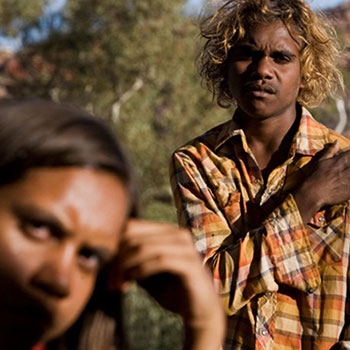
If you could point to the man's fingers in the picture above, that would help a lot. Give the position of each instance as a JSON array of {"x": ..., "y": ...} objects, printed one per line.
[{"x": 329, "y": 150}]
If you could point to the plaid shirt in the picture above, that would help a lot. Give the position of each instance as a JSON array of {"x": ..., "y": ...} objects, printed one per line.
[{"x": 284, "y": 285}]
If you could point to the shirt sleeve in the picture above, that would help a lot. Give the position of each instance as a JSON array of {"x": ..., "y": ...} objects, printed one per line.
[
  {"x": 276, "y": 253},
  {"x": 344, "y": 342}
]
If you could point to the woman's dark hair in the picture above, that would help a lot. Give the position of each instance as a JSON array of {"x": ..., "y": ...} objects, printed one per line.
[{"x": 37, "y": 133}]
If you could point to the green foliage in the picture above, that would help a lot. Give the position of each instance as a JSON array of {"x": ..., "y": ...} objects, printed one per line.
[
  {"x": 16, "y": 15},
  {"x": 150, "y": 327},
  {"x": 133, "y": 63},
  {"x": 346, "y": 74}
]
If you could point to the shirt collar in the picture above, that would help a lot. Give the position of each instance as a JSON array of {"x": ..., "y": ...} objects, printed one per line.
[
  {"x": 308, "y": 140},
  {"x": 311, "y": 135}
]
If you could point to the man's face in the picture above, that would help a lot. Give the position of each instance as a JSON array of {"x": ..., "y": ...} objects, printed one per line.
[
  {"x": 58, "y": 227},
  {"x": 264, "y": 72}
]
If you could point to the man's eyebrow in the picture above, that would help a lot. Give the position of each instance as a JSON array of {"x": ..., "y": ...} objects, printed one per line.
[
  {"x": 245, "y": 46},
  {"x": 34, "y": 213},
  {"x": 285, "y": 52}
]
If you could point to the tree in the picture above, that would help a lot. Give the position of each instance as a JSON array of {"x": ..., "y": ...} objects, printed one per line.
[{"x": 132, "y": 62}]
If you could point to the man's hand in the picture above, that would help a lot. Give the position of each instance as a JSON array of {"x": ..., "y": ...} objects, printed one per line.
[
  {"x": 324, "y": 181},
  {"x": 162, "y": 258}
]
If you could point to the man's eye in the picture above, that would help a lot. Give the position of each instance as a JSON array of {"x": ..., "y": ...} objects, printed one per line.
[
  {"x": 36, "y": 230},
  {"x": 90, "y": 260},
  {"x": 244, "y": 55},
  {"x": 281, "y": 58}
]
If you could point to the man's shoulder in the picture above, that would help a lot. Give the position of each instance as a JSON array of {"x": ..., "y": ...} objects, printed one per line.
[
  {"x": 319, "y": 134},
  {"x": 331, "y": 136},
  {"x": 344, "y": 142},
  {"x": 208, "y": 140}
]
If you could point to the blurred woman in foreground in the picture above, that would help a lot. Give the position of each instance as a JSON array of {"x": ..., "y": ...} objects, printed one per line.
[{"x": 68, "y": 246}]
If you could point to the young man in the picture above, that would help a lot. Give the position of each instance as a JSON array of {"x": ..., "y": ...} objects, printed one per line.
[{"x": 265, "y": 194}]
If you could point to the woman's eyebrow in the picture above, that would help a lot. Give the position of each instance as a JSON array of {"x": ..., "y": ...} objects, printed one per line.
[{"x": 35, "y": 213}]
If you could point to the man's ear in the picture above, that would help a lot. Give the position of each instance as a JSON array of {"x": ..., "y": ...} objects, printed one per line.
[{"x": 302, "y": 82}]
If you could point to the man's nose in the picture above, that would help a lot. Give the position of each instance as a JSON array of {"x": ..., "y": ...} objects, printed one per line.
[
  {"x": 54, "y": 276},
  {"x": 263, "y": 67}
]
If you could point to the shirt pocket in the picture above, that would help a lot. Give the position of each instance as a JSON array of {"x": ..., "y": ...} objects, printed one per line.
[{"x": 327, "y": 234}]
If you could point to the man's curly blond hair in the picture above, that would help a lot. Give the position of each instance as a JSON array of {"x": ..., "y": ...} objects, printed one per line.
[{"x": 319, "y": 49}]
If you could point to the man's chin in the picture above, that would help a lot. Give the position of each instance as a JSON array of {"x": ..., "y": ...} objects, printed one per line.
[
  {"x": 258, "y": 113},
  {"x": 261, "y": 111}
]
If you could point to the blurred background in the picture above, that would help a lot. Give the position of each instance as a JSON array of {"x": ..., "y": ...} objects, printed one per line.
[{"x": 132, "y": 62}]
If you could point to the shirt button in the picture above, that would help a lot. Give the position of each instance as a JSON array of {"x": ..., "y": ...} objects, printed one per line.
[
  {"x": 268, "y": 294},
  {"x": 264, "y": 332}
]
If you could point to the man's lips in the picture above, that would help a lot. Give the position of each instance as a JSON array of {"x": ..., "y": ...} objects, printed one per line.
[{"x": 259, "y": 90}]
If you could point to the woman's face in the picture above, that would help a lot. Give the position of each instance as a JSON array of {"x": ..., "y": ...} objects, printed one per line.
[{"x": 58, "y": 227}]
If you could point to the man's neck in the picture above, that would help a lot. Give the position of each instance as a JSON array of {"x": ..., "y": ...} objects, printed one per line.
[{"x": 270, "y": 138}]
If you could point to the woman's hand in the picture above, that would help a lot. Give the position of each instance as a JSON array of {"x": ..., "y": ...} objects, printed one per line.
[{"x": 162, "y": 258}]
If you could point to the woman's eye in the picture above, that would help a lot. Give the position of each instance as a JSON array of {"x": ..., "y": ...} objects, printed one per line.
[
  {"x": 36, "y": 230},
  {"x": 90, "y": 260}
]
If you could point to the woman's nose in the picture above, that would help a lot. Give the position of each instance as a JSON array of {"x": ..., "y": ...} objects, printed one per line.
[{"x": 54, "y": 276}]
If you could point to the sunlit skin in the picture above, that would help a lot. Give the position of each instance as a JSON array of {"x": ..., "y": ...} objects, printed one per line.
[{"x": 58, "y": 227}]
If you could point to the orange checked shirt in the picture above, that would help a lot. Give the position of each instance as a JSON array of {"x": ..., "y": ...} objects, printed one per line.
[{"x": 285, "y": 286}]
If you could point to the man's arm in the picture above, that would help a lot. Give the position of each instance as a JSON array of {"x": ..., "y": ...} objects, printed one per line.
[
  {"x": 344, "y": 342},
  {"x": 277, "y": 252},
  {"x": 324, "y": 182}
]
